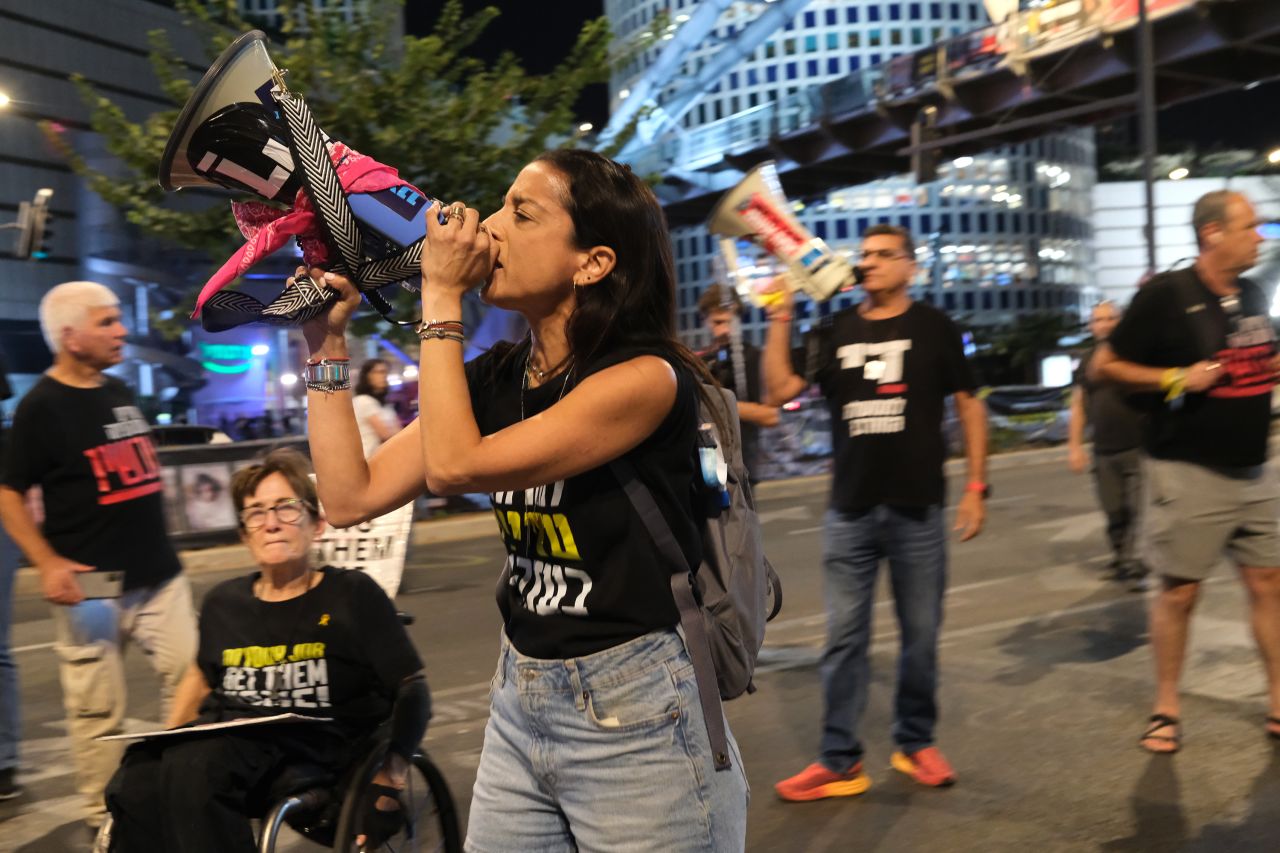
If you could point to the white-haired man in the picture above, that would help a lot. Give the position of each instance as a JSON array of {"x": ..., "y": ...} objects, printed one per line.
[{"x": 79, "y": 436}]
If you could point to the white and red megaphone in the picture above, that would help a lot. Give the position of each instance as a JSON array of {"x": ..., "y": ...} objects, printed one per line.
[{"x": 758, "y": 210}]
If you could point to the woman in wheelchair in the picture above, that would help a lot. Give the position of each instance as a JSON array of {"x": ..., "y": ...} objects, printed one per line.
[
  {"x": 321, "y": 643},
  {"x": 596, "y": 739}
]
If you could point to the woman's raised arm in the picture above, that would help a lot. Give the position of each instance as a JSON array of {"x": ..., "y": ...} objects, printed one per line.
[{"x": 351, "y": 489}]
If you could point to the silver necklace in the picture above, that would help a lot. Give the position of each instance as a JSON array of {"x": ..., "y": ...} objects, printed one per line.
[{"x": 524, "y": 379}]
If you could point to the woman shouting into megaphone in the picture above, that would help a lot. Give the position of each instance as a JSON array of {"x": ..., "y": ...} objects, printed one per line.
[{"x": 594, "y": 686}]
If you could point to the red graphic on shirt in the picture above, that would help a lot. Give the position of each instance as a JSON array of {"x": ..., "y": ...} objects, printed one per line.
[
  {"x": 1246, "y": 371},
  {"x": 125, "y": 470}
]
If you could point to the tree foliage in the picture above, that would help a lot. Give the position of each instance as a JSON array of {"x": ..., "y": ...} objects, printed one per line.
[
  {"x": 455, "y": 126},
  {"x": 1031, "y": 337}
]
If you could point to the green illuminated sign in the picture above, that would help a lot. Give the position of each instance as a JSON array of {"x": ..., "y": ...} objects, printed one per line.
[{"x": 238, "y": 355}]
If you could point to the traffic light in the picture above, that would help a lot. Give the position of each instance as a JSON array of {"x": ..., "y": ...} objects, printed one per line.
[{"x": 33, "y": 226}]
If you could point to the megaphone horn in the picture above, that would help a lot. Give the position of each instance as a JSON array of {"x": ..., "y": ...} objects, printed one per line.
[
  {"x": 758, "y": 209},
  {"x": 242, "y": 129},
  {"x": 230, "y": 133}
]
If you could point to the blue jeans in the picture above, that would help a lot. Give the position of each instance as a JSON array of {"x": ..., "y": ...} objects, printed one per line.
[
  {"x": 606, "y": 752},
  {"x": 10, "y": 711},
  {"x": 915, "y": 544}
]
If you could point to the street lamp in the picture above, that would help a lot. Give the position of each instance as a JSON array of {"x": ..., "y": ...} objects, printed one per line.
[
  {"x": 585, "y": 127},
  {"x": 5, "y": 100},
  {"x": 1274, "y": 157},
  {"x": 1179, "y": 173}
]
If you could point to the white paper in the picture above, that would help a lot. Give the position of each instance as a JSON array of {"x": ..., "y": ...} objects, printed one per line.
[
  {"x": 213, "y": 727},
  {"x": 377, "y": 547}
]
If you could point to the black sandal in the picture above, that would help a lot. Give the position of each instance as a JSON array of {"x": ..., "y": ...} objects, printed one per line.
[
  {"x": 1158, "y": 722},
  {"x": 1274, "y": 734}
]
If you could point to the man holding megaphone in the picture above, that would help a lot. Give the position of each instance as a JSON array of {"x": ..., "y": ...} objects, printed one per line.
[{"x": 885, "y": 367}]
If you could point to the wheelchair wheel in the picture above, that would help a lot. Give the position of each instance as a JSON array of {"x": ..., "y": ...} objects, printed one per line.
[{"x": 431, "y": 822}]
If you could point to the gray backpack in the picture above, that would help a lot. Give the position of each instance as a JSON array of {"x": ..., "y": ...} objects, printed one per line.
[{"x": 725, "y": 602}]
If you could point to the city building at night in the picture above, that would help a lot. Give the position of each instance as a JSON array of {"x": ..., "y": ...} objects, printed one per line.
[{"x": 999, "y": 234}]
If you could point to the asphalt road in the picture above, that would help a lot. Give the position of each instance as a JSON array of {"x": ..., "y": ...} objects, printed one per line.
[{"x": 1046, "y": 687}]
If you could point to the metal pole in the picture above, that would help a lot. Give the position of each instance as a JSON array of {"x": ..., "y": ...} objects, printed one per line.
[{"x": 1147, "y": 127}]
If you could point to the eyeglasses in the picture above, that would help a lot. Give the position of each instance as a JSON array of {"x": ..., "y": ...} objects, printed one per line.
[
  {"x": 287, "y": 512},
  {"x": 882, "y": 254}
]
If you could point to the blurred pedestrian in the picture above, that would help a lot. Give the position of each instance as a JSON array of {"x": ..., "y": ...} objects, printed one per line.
[
  {"x": 731, "y": 361},
  {"x": 1117, "y": 452},
  {"x": 105, "y": 562},
  {"x": 376, "y": 417},
  {"x": 885, "y": 367},
  {"x": 1199, "y": 341},
  {"x": 10, "y": 703}
]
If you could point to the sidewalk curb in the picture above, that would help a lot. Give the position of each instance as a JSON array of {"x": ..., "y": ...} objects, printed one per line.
[{"x": 479, "y": 524}]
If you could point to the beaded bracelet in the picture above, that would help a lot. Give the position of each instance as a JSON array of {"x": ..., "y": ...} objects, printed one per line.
[
  {"x": 440, "y": 335},
  {"x": 454, "y": 327}
]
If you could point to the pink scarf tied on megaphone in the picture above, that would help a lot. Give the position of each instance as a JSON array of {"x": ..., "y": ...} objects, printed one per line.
[{"x": 266, "y": 228}]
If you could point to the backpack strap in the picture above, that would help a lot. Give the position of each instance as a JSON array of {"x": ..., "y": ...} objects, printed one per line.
[
  {"x": 1190, "y": 296},
  {"x": 691, "y": 619}
]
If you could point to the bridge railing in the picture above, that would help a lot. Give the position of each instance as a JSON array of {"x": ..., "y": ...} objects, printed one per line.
[{"x": 1022, "y": 35}]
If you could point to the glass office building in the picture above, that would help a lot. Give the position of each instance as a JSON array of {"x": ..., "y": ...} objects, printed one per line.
[{"x": 999, "y": 234}]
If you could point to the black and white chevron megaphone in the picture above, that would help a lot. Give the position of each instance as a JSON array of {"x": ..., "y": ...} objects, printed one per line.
[
  {"x": 242, "y": 129},
  {"x": 757, "y": 209}
]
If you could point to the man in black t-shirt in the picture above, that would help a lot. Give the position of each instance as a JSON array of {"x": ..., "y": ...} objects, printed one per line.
[
  {"x": 1199, "y": 342},
  {"x": 1117, "y": 452},
  {"x": 720, "y": 307},
  {"x": 885, "y": 368},
  {"x": 78, "y": 436}
]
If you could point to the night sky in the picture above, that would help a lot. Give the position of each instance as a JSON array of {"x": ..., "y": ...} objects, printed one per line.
[{"x": 540, "y": 33}]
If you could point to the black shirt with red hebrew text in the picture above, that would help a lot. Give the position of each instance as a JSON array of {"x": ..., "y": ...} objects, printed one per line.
[
  {"x": 90, "y": 451},
  {"x": 1175, "y": 321}
]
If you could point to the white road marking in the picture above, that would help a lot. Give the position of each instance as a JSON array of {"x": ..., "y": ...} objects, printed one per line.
[
  {"x": 821, "y": 618},
  {"x": 1008, "y": 499},
  {"x": 1072, "y": 528}
]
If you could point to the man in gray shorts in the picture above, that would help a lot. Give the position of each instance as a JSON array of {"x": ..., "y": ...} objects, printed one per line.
[{"x": 1199, "y": 340}]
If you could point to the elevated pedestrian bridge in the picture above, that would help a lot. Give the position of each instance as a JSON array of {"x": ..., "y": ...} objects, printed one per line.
[{"x": 1035, "y": 73}]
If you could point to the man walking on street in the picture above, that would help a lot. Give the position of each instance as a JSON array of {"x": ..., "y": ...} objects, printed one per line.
[
  {"x": 1200, "y": 340},
  {"x": 720, "y": 306},
  {"x": 885, "y": 368},
  {"x": 10, "y": 709},
  {"x": 78, "y": 435},
  {"x": 1117, "y": 452}
]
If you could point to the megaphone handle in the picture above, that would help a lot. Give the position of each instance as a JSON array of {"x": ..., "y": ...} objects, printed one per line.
[{"x": 383, "y": 307}]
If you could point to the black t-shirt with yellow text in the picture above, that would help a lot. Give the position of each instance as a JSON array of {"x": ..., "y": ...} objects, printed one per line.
[
  {"x": 338, "y": 650},
  {"x": 583, "y": 573}
]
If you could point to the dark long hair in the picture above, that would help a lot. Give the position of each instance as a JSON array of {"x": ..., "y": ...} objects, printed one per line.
[
  {"x": 362, "y": 382},
  {"x": 635, "y": 304}
]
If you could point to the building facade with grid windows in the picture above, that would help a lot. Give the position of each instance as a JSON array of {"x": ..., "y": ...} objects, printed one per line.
[{"x": 1001, "y": 234}]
